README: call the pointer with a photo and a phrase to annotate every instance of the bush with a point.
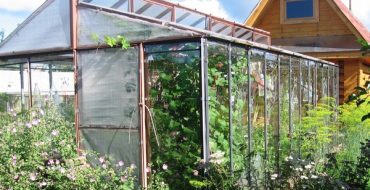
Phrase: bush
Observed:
(38, 151)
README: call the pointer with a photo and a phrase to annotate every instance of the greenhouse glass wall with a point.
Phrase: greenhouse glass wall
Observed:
(190, 91)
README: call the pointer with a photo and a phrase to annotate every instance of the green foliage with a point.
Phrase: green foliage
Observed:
(175, 107)
(38, 151)
(365, 46)
(318, 129)
(117, 41)
(4, 98)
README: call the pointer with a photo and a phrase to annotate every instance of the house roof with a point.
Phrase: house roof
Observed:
(355, 25)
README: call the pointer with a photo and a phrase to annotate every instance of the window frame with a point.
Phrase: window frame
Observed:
(285, 20)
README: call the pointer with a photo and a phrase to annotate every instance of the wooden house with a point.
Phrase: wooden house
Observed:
(321, 28)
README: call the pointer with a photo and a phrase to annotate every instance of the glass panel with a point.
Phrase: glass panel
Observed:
(272, 119)
(243, 33)
(94, 25)
(295, 88)
(320, 82)
(285, 143)
(221, 28)
(62, 88)
(257, 94)
(312, 82)
(190, 18)
(239, 71)
(306, 89)
(108, 88)
(40, 85)
(299, 8)
(10, 88)
(331, 73)
(115, 4)
(173, 99)
(151, 9)
(218, 58)
(49, 27)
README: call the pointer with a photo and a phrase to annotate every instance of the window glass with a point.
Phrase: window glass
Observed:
(299, 9)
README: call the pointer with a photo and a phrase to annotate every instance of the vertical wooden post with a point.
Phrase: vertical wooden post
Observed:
(74, 17)
(143, 136)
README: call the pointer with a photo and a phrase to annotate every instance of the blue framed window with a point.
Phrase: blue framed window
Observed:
(299, 9)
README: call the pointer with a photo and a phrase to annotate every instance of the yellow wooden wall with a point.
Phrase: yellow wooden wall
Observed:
(329, 23)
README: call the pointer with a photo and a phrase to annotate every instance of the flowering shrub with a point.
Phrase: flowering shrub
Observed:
(38, 151)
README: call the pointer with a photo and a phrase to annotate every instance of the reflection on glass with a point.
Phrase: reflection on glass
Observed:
(239, 74)
(218, 58)
(272, 119)
(173, 99)
(257, 61)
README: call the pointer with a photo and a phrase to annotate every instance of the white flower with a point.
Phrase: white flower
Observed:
(217, 157)
(133, 166)
(62, 170)
(288, 158)
(32, 176)
(274, 176)
(104, 166)
(298, 169)
(164, 167)
(101, 160)
(304, 177)
(43, 184)
(14, 130)
(309, 166)
(71, 177)
(57, 162)
(195, 172)
(314, 177)
(42, 112)
(148, 169)
(55, 132)
(120, 163)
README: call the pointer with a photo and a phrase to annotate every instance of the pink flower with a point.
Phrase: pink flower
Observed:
(35, 122)
(148, 169)
(28, 125)
(101, 160)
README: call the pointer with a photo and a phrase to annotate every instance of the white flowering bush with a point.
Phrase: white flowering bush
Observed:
(298, 173)
(38, 151)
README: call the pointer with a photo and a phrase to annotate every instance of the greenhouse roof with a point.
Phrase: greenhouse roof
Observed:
(50, 27)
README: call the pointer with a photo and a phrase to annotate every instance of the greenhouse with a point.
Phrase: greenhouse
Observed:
(166, 88)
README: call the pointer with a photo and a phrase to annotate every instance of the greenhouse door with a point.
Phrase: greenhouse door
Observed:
(173, 116)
